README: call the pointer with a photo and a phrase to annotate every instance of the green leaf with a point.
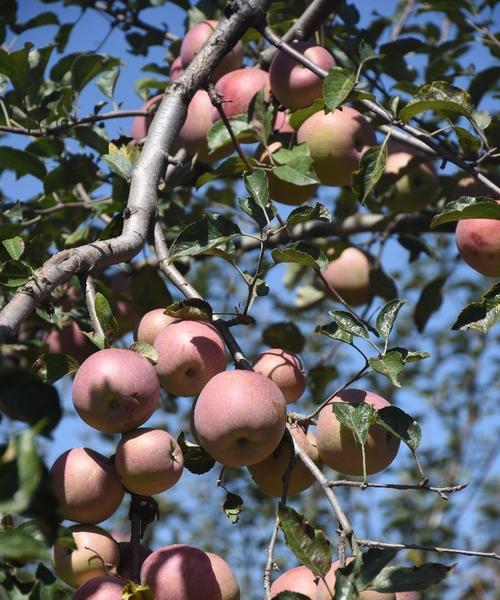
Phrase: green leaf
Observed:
(382, 284)
(337, 86)
(387, 316)
(261, 115)
(371, 167)
(192, 308)
(17, 545)
(370, 564)
(349, 323)
(401, 425)
(218, 137)
(291, 175)
(25, 397)
(15, 247)
(429, 302)
(284, 335)
(257, 186)
(51, 367)
(81, 235)
(107, 82)
(196, 460)
(481, 315)
(146, 350)
(78, 168)
(404, 579)
(233, 505)
(148, 289)
(366, 52)
(310, 545)
(467, 207)
(21, 162)
(308, 295)
(122, 160)
(48, 587)
(88, 66)
(355, 418)
(390, 364)
(262, 216)
(205, 236)
(9, 230)
(295, 165)
(302, 214)
(302, 254)
(105, 315)
(16, 67)
(299, 116)
(415, 245)
(335, 332)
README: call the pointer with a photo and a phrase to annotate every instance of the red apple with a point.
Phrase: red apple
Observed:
(140, 125)
(176, 69)
(237, 89)
(151, 324)
(285, 369)
(70, 340)
(101, 588)
(349, 276)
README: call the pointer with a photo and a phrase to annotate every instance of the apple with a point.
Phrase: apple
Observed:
(339, 449)
(230, 590)
(180, 572)
(148, 461)
(86, 486)
(284, 191)
(237, 89)
(123, 307)
(239, 417)
(269, 473)
(415, 189)
(151, 324)
(125, 568)
(337, 141)
(300, 580)
(294, 85)
(115, 390)
(189, 354)
(101, 588)
(196, 37)
(282, 130)
(285, 369)
(478, 241)
(349, 276)
(176, 69)
(70, 340)
(96, 554)
(140, 125)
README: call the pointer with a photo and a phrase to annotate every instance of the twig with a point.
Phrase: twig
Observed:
(253, 281)
(90, 300)
(269, 562)
(400, 23)
(377, 544)
(441, 491)
(486, 32)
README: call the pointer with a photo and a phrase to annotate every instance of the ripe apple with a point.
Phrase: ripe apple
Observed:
(285, 369)
(230, 590)
(414, 190)
(189, 354)
(349, 275)
(151, 324)
(70, 340)
(101, 588)
(196, 37)
(239, 417)
(86, 486)
(294, 85)
(337, 445)
(269, 473)
(95, 554)
(115, 390)
(125, 568)
(176, 69)
(140, 125)
(337, 141)
(478, 241)
(238, 88)
(180, 572)
(283, 191)
(282, 130)
(300, 580)
(148, 461)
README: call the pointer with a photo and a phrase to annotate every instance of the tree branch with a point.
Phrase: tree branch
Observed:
(441, 491)
(377, 544)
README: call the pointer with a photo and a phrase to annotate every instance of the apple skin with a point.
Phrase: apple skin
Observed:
(268, 474)
(283, 191)
(140, 125)
(237, 89)
(176, 69)
(86, 486)
(151, 324)
(285, 369)
(195, 39)
(115, 390)
(292, 84)
(70, 340)
(230, 590)
(337, 141)
(94, 546)
(190, 353)
(413, 191)
(478, 241)
(299, 579)
(239, 417)
(148, 461)
(180, 572)
(338, 447)
(100, 588)
(349, 275)
(125, 567)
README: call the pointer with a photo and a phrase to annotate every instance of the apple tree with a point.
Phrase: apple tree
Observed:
(248, 300)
